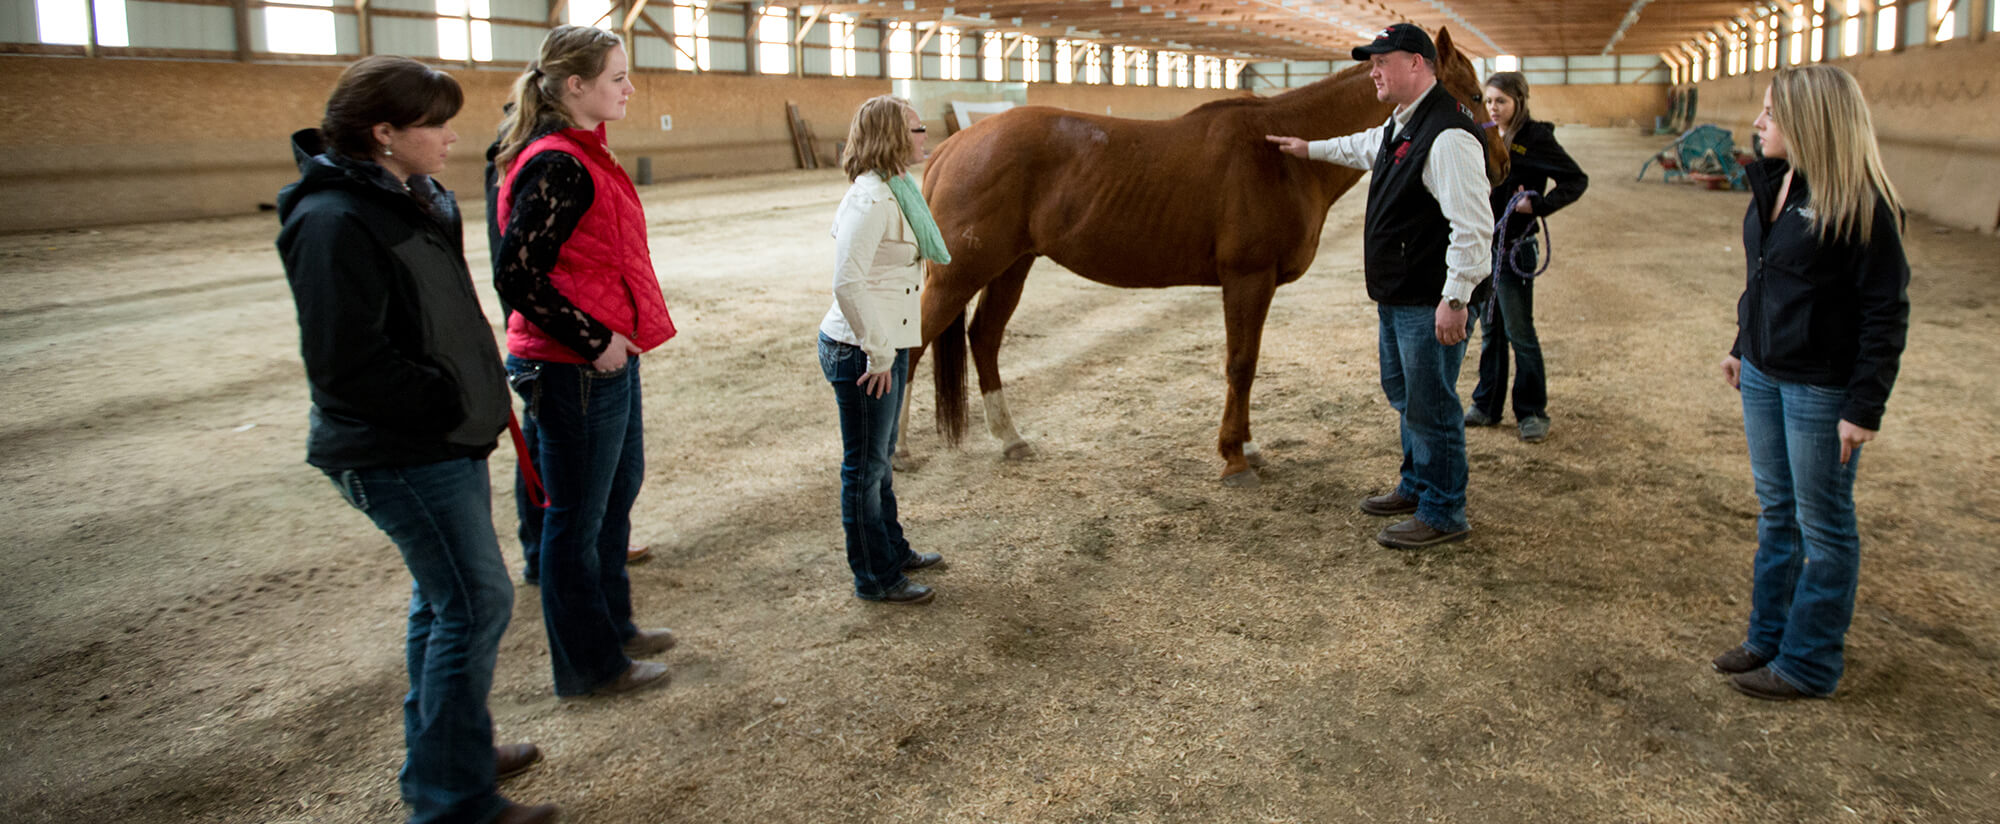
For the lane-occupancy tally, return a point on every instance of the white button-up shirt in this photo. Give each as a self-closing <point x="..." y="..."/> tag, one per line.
<point x="1455" y="174"/>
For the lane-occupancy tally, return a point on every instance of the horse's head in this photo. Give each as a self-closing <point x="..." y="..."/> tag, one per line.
<point x="1456" y="75"/>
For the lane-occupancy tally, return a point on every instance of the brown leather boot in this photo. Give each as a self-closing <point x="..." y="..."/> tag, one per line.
<point x="523" y="814"/>
<point x="510" y="760"/>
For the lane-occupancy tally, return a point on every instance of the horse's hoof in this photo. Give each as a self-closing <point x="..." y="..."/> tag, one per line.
<point x="1018" y="451"/>
<point x="1254" y="455"/>
<point x="905" y="462"/>
<point x="1245" y="479"/>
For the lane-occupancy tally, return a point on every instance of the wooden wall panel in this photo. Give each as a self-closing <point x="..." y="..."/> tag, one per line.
<point x="1937" y="116"/>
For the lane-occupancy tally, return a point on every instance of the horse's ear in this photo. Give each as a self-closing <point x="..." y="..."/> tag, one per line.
<point x="1443" y="41"/>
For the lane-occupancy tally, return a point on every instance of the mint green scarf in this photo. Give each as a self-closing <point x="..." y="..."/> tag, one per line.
<point x="929" y="241"/>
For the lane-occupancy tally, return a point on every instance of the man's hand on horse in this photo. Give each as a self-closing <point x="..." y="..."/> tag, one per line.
<point x="1290" y="145"/>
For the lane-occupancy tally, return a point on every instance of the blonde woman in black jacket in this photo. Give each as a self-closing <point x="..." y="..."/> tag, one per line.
<point x="1819" y="334"/>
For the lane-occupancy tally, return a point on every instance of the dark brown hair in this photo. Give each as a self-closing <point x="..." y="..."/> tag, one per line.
<point x="568" y="51"/>
<point x="1514" y="85"/>
<point x="382" y="89"/>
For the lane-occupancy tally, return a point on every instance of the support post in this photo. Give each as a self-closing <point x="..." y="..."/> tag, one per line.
<point x="241" y="9"/>
<point x="364" y="29"/>
<point x="90" y="20"/>
<point x="753" y="36"/>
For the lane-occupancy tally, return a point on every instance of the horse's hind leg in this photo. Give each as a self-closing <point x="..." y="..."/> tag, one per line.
<point x="988" y="326"/>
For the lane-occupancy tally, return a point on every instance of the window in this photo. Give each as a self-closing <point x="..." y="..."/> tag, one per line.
<point x="1506" y="63"/>
<point x="840" y="40"/>
<point x="901" y="61"/>
<point x="1757" y="41"/>
<point x="1118" y="57"/>
<point x="1795" y="43"/>
<point x="1142" y="64"/>
<point x="995" y="68"/>
<point x="1850" y="31"/>
<point x="68" y="22"/>
<point x="1232" y="73"/>
<point x="951" y="65"/>
<point x="297" y="27"/>
<point x="1093" y="63"/>
<point x="690" y="35"/>
<point x="1200" y="72"/>
<point x="463" y="30"/>
<point x="1947" y="23"/>
<point x="1064" y="53"/>
<point x="1818" y="47"/>
<point x="1031" y="59"/>
<point x="588" y="13"/>
<point x="1885" y="28"/>
<point x="1182" y="71"/>
<point x="774" y="40"/>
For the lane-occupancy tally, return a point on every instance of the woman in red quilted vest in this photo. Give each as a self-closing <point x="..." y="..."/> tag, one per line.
<point x="573" y="263"/>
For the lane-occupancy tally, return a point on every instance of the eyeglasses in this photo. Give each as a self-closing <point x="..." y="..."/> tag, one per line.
<point x="918" y="130"/>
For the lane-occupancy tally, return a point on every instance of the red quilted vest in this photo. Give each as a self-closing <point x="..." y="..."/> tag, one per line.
<point x="605" y="267"/>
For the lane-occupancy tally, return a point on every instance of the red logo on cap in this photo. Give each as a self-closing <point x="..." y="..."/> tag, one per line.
<point x="1385" y="33"/>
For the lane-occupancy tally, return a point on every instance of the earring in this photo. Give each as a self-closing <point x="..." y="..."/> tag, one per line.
<point x="388" y="152"/>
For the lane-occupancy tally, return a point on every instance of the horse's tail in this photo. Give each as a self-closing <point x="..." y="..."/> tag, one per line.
<point x="948" y="379"/>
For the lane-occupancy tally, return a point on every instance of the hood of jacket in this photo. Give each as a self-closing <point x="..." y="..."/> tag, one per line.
<point x="320" y="169"/>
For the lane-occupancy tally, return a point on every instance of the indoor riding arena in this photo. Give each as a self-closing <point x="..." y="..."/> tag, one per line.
<point x="201" y="629"/>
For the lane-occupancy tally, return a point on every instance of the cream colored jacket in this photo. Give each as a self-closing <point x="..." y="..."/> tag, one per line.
<point x="877" y="275"/>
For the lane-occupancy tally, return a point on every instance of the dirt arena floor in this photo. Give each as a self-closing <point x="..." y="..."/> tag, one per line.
<point x="201" y="631"/>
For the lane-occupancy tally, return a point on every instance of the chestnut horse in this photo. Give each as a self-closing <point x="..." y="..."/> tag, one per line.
<point x="1200" y="200"/>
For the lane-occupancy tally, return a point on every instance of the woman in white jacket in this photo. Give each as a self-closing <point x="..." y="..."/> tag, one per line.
<point x="882" y="234"/>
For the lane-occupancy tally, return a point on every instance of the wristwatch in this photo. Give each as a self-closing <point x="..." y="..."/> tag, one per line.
<point x="1457" y="305"/>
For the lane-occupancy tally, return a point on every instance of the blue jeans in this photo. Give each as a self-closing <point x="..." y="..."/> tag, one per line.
<point x="1512" y="322"/>
<point x="1808" y="548"/>
<point x="876" y="549"/>
<point x="1420" y="378"/>
<point x="590" y="451"/>
<point x="441" y="518"/>
<point x="529" y="515"/>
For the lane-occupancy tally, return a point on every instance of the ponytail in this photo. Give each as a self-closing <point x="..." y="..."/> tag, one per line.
<point x="568" y="51"/>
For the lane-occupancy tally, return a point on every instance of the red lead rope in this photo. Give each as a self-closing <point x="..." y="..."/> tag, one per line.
<point x="535" y="494"/>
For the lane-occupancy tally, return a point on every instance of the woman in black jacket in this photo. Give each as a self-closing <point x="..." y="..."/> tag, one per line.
<point x="1537" y="158"/>
<point x="1819" y="336"/>
<point x="408" y="398"/>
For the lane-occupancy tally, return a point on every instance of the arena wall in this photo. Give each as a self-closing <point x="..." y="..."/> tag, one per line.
<point x="1937" y="115"/>
<point x="107" y="141"/>
<point x="1621" y="105"/>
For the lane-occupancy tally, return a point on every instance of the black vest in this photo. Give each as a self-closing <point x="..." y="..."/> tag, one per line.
<point x="1405" y="231"/>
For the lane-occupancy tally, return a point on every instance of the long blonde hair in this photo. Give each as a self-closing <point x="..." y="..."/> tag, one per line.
<point x="879" y="139"/>
<point x="1830" y="140"/>
<point x="568" y="51"/>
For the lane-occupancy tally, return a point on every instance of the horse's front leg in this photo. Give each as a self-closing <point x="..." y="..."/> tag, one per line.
<point x="1246" y="300"/>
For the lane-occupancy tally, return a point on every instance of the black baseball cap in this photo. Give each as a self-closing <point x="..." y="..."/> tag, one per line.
<point x="1400" y="37"/>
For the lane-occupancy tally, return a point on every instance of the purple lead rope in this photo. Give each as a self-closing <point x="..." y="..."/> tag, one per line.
<point x="1507" y="253"/>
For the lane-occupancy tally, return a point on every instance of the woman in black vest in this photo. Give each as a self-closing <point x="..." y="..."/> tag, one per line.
<point x="408" y="399"/>
<point x="1537" y="158"/>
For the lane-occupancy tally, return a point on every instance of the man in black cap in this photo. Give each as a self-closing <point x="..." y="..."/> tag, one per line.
<point x="1426" y="244"/>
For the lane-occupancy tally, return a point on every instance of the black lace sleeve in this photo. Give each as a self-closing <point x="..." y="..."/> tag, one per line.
<point x="550" y="195"/>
